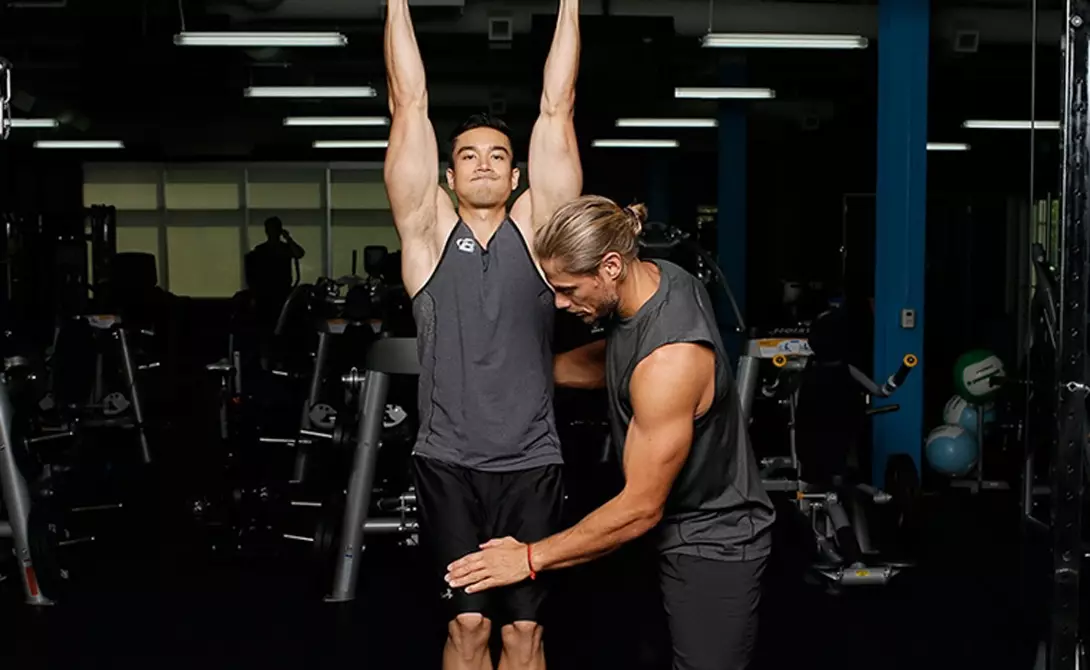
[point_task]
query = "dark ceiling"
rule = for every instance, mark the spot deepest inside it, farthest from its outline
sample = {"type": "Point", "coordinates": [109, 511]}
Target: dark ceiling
{"type": "Point", "coordinates": [110, 70]}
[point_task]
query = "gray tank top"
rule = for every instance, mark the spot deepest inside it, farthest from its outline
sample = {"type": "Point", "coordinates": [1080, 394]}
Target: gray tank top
{"type": "Point", "coordinates": [718, 507]}
{"type": "Point", "coordinates": [484, 334]}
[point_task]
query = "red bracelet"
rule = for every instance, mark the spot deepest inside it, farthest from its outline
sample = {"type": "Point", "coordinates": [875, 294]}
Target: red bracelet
{"type": "Point", "coordinates": [530, 562]}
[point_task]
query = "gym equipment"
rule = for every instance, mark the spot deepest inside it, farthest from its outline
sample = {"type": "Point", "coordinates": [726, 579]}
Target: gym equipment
{"type": "Point", "coordinates": [834, 510]}
{"type": "Point", "coordinates": [659, 240]}
{"type": "Point", "coordinates": [391, 356]}
{"type": "Point", "coordinates": [978, 376]}
{"type": "Point", "coordinates": [87, 341]}
{"type": "Point", "coordinates": [16, 498]}
{"type": "Point", "coordinates": [959, 412]}
{"type": "Point", "coordinates": [5, 98]}
{"type": "Point", "coordinates": [952, 450]}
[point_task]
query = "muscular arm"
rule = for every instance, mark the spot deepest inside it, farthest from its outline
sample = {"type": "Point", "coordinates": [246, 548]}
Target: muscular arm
{"type": "Point", "coordinates": [412, 158]}
{"type": "Point", "coordinates": [667, 389]}
{"type": "Point", "coordinates": [556, 174]}
{"type": "Point", "coordinates": [581, 368]}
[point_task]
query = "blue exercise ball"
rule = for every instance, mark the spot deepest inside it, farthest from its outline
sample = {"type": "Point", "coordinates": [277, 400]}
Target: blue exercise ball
{"type": "Point", "coordinates": [952, 450]}
{"type": "Point", "coordinates": [959, 412]}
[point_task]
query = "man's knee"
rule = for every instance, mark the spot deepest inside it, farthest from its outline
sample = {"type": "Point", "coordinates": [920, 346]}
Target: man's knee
{"type": "Point", "coordinates": [469, 634]}
{"type": "Point", "coordinates": [522, 640]}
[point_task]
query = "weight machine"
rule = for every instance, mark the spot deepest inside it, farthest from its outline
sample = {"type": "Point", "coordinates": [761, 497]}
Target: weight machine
{"type": "Point", "coordinates": [5, 98]}
{"type": "Point", "coordinates": [835, 510]}
{"type": "Point", "coordinates": [1067, 392]}
{"type": "Point", "coordinates": [338, 539]}
{"type": "Point", "coordinates": [16, 498]}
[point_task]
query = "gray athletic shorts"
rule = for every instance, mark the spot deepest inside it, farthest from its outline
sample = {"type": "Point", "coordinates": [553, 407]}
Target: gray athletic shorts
{"type": "Point", "coordinates": [711, 607]}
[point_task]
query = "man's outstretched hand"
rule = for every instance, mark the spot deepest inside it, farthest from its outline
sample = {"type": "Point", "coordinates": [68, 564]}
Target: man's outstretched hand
{"type": "Point", "coordinates": [499, 563]}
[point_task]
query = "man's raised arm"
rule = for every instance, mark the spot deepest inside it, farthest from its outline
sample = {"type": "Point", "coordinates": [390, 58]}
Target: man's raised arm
{"type": "Point", "coordinates": [412, 159]}
{"type": "Point", "coordinates": [556, 174]}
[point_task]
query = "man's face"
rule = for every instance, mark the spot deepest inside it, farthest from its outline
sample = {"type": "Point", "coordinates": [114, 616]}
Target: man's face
{"type": "Point", "coordinates": [273, 229]}
{"type": "Point", "coordinates": [591, 297]}
{"type": "Point", "coordinates": [482, 173]}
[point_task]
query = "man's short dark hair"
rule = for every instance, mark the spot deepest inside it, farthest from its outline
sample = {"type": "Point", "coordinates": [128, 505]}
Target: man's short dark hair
{"type": "Point", "coordinates": [481, 120]}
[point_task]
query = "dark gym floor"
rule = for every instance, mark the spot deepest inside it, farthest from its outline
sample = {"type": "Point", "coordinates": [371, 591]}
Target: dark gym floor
{"type": "Point", "coordinates": [163, 606]}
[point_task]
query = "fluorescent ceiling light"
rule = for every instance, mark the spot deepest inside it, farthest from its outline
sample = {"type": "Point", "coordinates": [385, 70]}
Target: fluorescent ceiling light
{"type": "Point", "coordinates": [981, 124]}
{"type": "Point", "coordinates": [351, 144]}
{"type": "Point", "coordinates": [260, 39]}
{"type": "Point", "coordinates": [636, 144]}
{"type": "Point", "coordinates": [667, 123]}
{"type": "Point", "coordinates": [310, 92]}
{"type": "Point", "coordinates": [34, 123]}
{"type": "Point", "coordinates": [947, 146]}
{"type": "Point", "coordinates": [781, 41]}
{"type": "Point", "coordinates": [79, 144]}
{"type": "Point", "coordinates": [724, 93]}
{"type": "Point", "coordinates": [336, 121]}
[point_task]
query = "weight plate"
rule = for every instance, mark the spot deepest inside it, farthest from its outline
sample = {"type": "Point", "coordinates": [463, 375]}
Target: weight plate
{"type": "Point", "coordinates": [393, 416]}
{"type": "Point", "coordinates": [323, 416]}
{"type": "Point", "coordinates": [902, 483]}
{"type": "Point", "coordinates": [45, 530]}
{"type": "Point", "coordinates": [326, 539]}
{"type": "Point", "coordinates": [901, 516]}
{"type": "Point", "coordinates": [114, 404]}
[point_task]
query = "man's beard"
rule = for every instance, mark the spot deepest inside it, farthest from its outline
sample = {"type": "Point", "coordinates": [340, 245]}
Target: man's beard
{"type": "Point", "coordinates": [605, 311]}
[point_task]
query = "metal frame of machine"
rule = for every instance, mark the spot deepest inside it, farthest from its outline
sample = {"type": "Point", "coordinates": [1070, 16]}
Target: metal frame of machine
{"type": "Point", "coordinates": [1068, 471]}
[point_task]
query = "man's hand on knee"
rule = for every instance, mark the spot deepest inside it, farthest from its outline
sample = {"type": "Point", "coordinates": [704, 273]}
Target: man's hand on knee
{"type": "Point", "coordinates": [522, 643]}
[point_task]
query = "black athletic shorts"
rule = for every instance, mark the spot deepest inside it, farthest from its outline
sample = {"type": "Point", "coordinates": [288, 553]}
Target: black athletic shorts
{"type": "Point", "coordinates": [711, 607]}
{"type": "Point", "coordinates": [460, 508]}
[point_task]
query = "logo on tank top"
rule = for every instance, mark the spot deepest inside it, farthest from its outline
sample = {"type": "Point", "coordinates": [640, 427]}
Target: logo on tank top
{"type": "Point", "coordinates": [466, 244]}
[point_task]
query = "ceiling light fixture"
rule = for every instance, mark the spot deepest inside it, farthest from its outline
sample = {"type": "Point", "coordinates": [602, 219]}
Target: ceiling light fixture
{"type": "Point", "coordinates": [781, 41]}
{"type": "Point", "coordinates": [947, 146]}
{"type": "Point", "coordinates": [260, 39]}
{"type": "Point", "coordinates": [982, 124]}
{"type": "Point", "coordinates": [636, 144]}
{"type": "Point", "coordinates": [35, 123]}
{"type": "Point", "coordinates": [79, 144]}
{"type": "Point", "coordinates": [336, 121]}
{"type": "Point", "coordinates": [723, 93]}
{"type": "Point", "coordinates": [310, 92]}
{"type": "Point", "coordinates": [351, 144]}
{"type": "Point", "coordinates": [667, 123]}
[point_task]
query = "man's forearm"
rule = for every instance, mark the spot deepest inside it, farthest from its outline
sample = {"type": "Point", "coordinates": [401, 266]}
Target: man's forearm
{"type": "Point", "coordinates": [404, 66]}
{"type": "Point", "coordinates": [581, 368]}
{"type": "Point", "coordinates": [620, 520]}
{"type": "Point", "coordinates": [562, 65]}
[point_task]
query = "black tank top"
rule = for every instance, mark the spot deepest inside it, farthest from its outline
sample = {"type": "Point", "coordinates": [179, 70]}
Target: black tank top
{"type": "Point", "coordinates": [717, 507]}
{"type": "Point", "coordinates": [484, 333]}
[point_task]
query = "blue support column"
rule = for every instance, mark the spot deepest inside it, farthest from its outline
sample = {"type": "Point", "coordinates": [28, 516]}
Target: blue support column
{"type": "Point", "coordinates": [901, 220]}
{"type": "Point", "coordinates": [658, 188]}
{"type": "Point", "coordinates": [731, 190]}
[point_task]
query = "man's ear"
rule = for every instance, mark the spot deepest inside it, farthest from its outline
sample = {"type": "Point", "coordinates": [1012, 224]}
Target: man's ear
{"type": "Point", "coordinates": [515, 176]}
{"type": "Point", "coordinates": [450, 179]}
{"type": "Point", "coordinates": [612, 265]}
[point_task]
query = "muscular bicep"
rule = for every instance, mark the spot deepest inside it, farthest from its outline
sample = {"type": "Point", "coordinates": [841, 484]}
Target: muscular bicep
{"type": "Point", "coordinates": [411, 172]}
{"type": "Point", "coordinates": [668, 389]}
{"type": "Point", "coordinates": [556, 171]}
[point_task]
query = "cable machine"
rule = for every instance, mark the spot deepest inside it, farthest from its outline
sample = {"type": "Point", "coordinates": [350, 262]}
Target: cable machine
{"type": "Point", "coordinates": [1068, 473]}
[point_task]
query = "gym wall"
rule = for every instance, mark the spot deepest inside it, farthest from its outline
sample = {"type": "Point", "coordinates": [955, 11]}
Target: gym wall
{"type": "Point", "coordinates": [199, 220]}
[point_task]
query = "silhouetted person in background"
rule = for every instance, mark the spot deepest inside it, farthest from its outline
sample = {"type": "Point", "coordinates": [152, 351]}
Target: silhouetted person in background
{"type": "Point", "coordinates": [270, 275]}
{"type": "Point", "coordinates": [274, 259]}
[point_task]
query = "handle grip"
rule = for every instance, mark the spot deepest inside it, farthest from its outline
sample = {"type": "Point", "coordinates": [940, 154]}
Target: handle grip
{"type": "Point", "coordinates": [898, 378]}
